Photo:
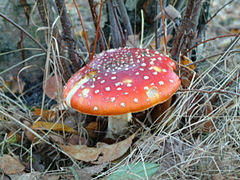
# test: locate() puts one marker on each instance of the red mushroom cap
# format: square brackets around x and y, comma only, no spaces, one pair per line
[120,81]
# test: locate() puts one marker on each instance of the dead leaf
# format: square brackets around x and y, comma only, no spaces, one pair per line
[14,137]
[53,86]
[10,165]
[102,153]
[208,126]
[15,84]
[218,177]
[41,125]
[76,140]
[87,172]
[46,114]
[170,13]
[185,60]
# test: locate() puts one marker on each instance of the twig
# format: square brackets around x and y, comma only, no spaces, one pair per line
[227,35]
[117,22]
[95,20]
[156,25]
[164,30]
[210,92]
[117,36]
[68,34]
[23,30]
[215,14]
[186,31]
[99,20]
[228,84]
[125,17]
[84,30]
[217,54]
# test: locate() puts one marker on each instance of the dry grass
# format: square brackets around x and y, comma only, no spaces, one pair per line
[183,152]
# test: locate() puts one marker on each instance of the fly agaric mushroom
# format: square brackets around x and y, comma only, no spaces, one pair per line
[120,81]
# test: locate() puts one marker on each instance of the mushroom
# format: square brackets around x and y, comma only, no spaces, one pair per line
[118,82]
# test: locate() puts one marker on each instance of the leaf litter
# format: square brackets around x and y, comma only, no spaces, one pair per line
[181,153]
[101,154]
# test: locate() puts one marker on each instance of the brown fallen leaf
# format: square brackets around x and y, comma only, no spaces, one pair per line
[185,60]
[170,13]
[102,153]
[41,125]
[53,86]
[10,165]
[45,114]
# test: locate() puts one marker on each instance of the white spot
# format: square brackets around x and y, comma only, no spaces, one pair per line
[153,59]
[135,100]
[151,68]
[107,88]
[92,86]
[155,73]
[95,108]
[129,85]
[97,91]
[152,63]
[106,74]
[113,99]
[143,64]
[141,69]
[137,73]
[152,92]
[161,83]
[103,81]
[146,88]
[118,84]
[113,77]
[85,92]
[125,93]
[122,104]
[170,80]
[164,70]
[145,77]
[119,89]
[98,77]
[114,72]
[159,58]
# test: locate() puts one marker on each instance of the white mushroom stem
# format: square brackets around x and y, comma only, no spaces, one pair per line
[118,125]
